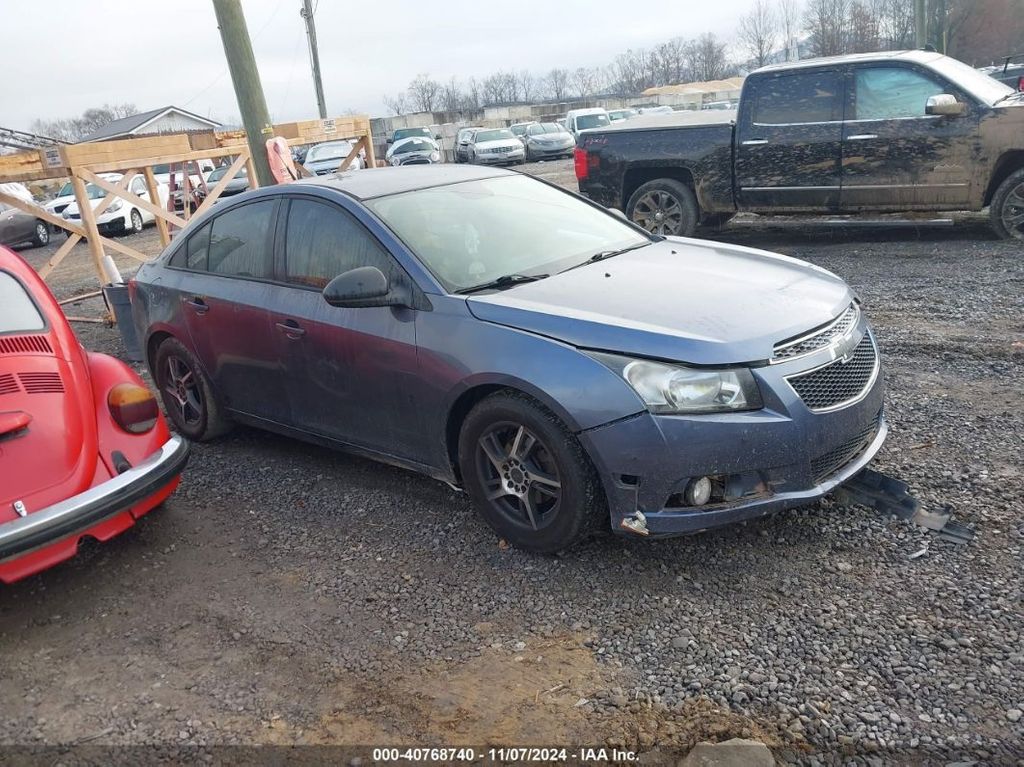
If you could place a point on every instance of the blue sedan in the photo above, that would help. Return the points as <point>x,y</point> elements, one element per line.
<point>569,370</point>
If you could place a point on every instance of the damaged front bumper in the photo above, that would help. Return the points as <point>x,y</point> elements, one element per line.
<point>759,462</point>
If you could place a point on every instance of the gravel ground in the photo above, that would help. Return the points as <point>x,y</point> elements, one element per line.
<point>290,594</point>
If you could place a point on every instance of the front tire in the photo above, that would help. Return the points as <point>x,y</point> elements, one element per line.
<point>136,221</point>
<point>527,474</point>
<point>666,207</point>
<point>187,393</point>
<point>1007,210</point>
<point>41,236</point>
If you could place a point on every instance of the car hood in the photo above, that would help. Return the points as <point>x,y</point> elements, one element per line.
<point>551,137</point>
<point>332,163</point>
<point>681,300</point>
<point>499,143</point>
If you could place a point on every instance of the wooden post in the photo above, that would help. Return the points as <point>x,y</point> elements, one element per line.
<point>371,158</point>
<point>92,231</point>
<point>154,197</point>
<point>250,170</point>
<point>248,90</point>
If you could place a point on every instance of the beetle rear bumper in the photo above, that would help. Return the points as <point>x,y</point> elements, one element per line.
<point>76,515</point>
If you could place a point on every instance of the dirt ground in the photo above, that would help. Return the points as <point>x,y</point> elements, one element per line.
<point>288,594</point>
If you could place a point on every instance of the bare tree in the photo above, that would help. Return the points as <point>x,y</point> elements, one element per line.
<point>789,24</point>
<point>827,23</point>
<point>424,93</point>
<point>896,24</point>
<point>707,58</point>
<point>527,85</point>
<point>73,129</point>
<point>558,83</point>
<point>396,103</point>
<point>585,80</point>
<point>472,95</point>
<point>864,35</point>
<point>452,99</point>
<point>759,32</point>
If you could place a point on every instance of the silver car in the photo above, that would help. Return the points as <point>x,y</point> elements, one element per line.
<point>548,140</point>
<point>325,158</point>
<point>462,141</point>
<point>496,147</point>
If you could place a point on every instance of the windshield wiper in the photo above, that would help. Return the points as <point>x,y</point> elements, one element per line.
<point>1009,95</point>
<point>602,255</point>
<point>505,281</point>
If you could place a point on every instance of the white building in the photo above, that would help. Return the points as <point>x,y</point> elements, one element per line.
<point>163,120</point>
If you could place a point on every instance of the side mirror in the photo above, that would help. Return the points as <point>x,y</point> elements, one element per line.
<point>437,137</point>
<point>390,140</point>
<point>363,286</point>
<point>944,104</point>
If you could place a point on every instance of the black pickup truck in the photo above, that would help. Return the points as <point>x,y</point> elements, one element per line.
<point>879,132</point>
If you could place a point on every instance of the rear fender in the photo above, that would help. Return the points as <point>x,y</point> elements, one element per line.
<point>106,372</point>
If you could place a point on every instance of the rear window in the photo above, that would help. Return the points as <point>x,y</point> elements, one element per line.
<point>18,313</point>
<point>805,97</point>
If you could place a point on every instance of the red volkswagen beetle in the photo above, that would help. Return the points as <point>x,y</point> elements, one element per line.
<point>84,449</point>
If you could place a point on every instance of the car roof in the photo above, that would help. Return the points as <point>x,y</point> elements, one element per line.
<point>585,112</point>
<point>920,57</point>
<point>380,182</point>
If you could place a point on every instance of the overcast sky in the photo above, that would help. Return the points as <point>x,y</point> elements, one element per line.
<point>60,58</point>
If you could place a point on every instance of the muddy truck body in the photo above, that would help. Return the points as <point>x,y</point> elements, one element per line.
<point>883,132</point>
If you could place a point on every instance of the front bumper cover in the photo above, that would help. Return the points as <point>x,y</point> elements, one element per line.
<point>80,512</point>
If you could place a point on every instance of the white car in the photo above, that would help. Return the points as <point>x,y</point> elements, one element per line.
<point>415,150</point>
<point>163,173</point>
<point>497,146</point>
<point>120,216</point>
<point>66,195</point>
<point>579,120</point>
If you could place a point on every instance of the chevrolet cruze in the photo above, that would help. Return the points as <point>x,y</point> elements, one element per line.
<point>569,370</point>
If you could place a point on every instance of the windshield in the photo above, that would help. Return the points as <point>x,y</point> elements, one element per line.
<point>492,135</point>
<point>473,232</point>
<point>17,312</point>
<point>66,190</point>
<point>583,122</point>
<point>406,132</point>
<point>161,169</point>
<point>219,173</point>
<point>334,151</point>
<point>536,130</point>
<point>415,145</point>
<point>981,86</point>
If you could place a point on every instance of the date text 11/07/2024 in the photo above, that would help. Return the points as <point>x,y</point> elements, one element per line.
<point>503,755</point>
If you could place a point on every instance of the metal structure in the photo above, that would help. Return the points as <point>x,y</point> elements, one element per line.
<point>17,139</point>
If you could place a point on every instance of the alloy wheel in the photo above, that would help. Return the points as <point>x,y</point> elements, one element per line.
<point>659,213</point>
<point>136,221</point>
<point>519,475</point>
<point>1012,213</point>
<point>182,387</point>
<point>42,233</point>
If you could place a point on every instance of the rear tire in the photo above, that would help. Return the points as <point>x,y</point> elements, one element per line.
<point>1007,210</point>
<point>528,475</point>
<point>187,393</point>
<point>664,206</point>
<point>41,237</point>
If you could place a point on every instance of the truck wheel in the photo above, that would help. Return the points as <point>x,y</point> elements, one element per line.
<point>664,206</point>
<point>527,475</point>
<point>1007,210</point>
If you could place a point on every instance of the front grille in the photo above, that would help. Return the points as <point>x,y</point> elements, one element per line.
<point>827,464</point>
<point>416,161</point>
<point>841,382</point>
<point>25,345</point>
<point>503,149</point>
<point>41,383</point>
<point>7,384</point>
<point>818,338</point>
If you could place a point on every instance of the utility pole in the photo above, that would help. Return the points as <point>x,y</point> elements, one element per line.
<point>920,23</point>
<point>246,78</point>
<point>314,55</point>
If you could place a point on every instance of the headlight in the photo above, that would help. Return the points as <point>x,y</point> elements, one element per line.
<point>114,206</point>
<point>667,388</point>
<point>435,157</point>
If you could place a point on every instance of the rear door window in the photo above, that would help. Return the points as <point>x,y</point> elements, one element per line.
<point>238,244</point>
<point>805,97</point>
<point>890,93</point>
<point>18,313</point>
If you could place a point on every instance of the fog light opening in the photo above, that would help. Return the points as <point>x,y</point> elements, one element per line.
<point>698,491</point>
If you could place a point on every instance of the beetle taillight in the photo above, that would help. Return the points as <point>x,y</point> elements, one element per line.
<point>133,408</point>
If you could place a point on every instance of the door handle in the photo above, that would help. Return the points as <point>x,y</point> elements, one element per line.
<point>755,142</point>
<point>862,137</point>
<point>196,304</point>
<point>291,329</point>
